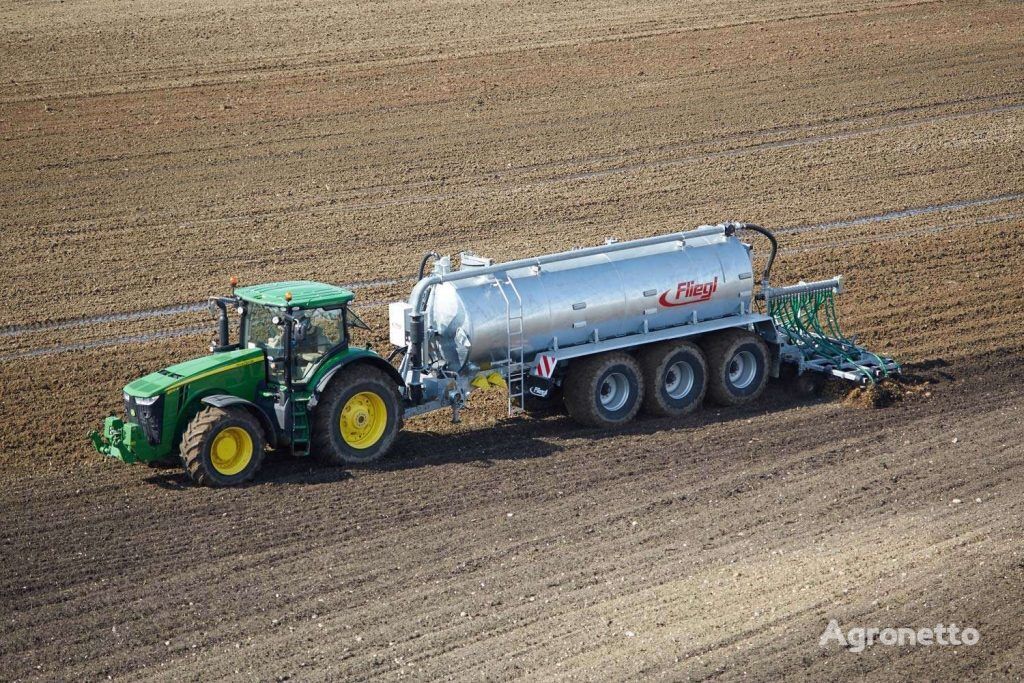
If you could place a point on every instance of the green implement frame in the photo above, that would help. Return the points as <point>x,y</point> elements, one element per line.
<point>805,317</point>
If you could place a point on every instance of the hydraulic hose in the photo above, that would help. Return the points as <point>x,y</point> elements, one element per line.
<point>771,257</point>
<point>416,334</point>
<point>416,339</point>
<point>423,264</point>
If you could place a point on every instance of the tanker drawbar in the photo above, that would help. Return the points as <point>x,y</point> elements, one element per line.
<point>651,323</point>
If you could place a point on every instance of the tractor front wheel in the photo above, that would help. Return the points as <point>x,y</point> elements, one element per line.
<point>222,446</point>
<point>357,417</point>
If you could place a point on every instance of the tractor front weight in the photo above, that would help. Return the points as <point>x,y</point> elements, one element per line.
<point>122,440</point>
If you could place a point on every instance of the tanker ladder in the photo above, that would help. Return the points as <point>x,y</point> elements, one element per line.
<point>516,347</point>
<point>805,319</point>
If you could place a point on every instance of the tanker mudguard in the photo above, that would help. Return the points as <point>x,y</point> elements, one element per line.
<point>371,359</point>
<point>227,400</point>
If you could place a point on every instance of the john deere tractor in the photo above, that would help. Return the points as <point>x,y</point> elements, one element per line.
<point>290,381</point>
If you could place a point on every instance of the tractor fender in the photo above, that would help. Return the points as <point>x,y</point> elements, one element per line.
<point>227,400</point>
<point>369,359</point>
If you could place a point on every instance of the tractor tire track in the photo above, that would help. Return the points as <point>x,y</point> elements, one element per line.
<point>674,496</point>
<point>176,309</point>
<point>958,205</point>
<point>264,209</point>
<point>713,547</point>
<point>248,71</point>
<point>496,180</point>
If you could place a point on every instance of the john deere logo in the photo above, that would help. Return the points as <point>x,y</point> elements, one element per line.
<point>688,292</point>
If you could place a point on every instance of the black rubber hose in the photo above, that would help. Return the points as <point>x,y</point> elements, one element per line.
<point>775,247</point>
<point>396,353</point>
<point>423,264</point>
<point>416,335</point>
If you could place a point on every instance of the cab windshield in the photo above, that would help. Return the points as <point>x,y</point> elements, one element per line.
<point>316,332</point>
<point>261,333</point>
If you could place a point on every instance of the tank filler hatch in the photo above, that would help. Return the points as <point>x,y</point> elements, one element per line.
<point>469,260</point>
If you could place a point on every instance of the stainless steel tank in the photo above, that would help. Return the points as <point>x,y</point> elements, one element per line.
<point>570,300</point>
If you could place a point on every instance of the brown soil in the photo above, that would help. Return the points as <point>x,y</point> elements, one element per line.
<point>880,395</point>
<point>148,154</point>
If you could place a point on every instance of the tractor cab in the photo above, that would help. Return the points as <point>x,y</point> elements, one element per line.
<point>298,325</point>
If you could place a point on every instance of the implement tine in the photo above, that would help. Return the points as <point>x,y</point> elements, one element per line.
<point>806,314</point>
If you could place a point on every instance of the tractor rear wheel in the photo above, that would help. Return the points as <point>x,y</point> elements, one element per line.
<point>222,446</point>
<point>604,390</point>
<point>675,378</point>
<point>357,417</point>
<point>737,366</point>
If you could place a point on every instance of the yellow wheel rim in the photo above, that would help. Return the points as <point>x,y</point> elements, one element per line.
<point>363,420</point>
<point>231,451</point>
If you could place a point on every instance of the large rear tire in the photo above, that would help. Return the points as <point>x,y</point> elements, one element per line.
<point>675,378</point>
<point>222,446</point>
<point>737,366</point>
<point>604,390</point>
<point>357,417</point>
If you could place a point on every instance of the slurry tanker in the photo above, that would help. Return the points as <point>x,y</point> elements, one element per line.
<point>657,325</point>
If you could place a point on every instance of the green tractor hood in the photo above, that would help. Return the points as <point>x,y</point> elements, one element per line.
<point>147,430</point>
<point>169,379</point>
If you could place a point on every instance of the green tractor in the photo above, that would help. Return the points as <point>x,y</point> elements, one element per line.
<point>291,381</point>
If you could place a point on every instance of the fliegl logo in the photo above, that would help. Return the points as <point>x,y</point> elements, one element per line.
<point>688,292</point>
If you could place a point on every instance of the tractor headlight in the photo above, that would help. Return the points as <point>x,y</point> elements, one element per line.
<point>148,413</point>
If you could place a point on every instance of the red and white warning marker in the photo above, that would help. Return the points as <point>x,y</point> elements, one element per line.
<point>546,366</point>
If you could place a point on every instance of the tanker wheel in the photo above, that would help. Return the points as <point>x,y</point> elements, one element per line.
<point>675,378</point>
<point>222,446</point>
<point>357,418</point>
<point>604,390</point>
<point>737,366</point>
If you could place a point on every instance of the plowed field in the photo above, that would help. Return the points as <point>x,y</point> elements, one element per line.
<point>149,152</point>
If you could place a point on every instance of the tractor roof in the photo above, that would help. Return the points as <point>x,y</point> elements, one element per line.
<point>304,294</point>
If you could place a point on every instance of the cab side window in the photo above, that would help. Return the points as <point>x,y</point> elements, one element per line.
<point>322,330</point>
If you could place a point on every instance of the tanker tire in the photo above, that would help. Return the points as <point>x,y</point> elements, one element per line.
<point>594,390</point>
<point>198,439</point>
<point>329,446</point>
<point>675,378</point>
<point>737,366</point>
